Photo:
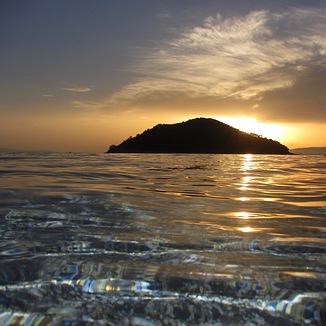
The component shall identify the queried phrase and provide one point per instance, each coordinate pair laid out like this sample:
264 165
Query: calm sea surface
126 239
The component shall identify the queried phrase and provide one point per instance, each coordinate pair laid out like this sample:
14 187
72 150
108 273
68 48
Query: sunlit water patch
162 239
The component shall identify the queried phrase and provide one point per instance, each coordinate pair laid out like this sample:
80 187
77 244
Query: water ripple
162 239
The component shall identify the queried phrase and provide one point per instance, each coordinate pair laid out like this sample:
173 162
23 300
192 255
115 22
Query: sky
81 75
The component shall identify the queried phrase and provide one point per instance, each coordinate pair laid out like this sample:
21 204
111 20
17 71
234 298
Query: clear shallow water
162 239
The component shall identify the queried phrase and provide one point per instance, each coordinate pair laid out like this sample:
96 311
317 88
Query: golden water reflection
212 225
260 216
247 229
246 180
305 274
243 215
243 198
293 240
246 167
247 163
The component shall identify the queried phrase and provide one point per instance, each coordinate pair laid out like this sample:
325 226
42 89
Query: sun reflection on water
224 227
247 229
243 215
247 162
244 185
246 167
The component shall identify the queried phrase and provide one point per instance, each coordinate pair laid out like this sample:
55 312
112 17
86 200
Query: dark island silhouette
198 136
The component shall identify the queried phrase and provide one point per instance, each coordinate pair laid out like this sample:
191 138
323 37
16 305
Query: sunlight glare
251 125
247 162
242 215
243 198
246 229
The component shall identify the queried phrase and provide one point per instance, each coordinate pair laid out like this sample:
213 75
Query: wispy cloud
240 57
87 105
47 95
80 105
165 15
77 89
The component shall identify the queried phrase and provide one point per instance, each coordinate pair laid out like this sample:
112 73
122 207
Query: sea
162 239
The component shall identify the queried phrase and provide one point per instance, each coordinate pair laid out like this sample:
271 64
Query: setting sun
251 125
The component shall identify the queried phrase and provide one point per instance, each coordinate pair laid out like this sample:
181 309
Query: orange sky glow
109 70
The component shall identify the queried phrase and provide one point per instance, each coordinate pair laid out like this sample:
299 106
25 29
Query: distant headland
198 136
309 151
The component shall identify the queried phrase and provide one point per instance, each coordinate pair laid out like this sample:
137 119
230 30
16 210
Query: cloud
47 95
241 57
77 89
304 101
164 15
87 106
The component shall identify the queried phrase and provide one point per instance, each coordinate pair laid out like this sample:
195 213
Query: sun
251 125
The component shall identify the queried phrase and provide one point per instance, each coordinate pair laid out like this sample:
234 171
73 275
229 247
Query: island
198 136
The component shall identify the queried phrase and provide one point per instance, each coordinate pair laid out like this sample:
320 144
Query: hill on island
198 135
